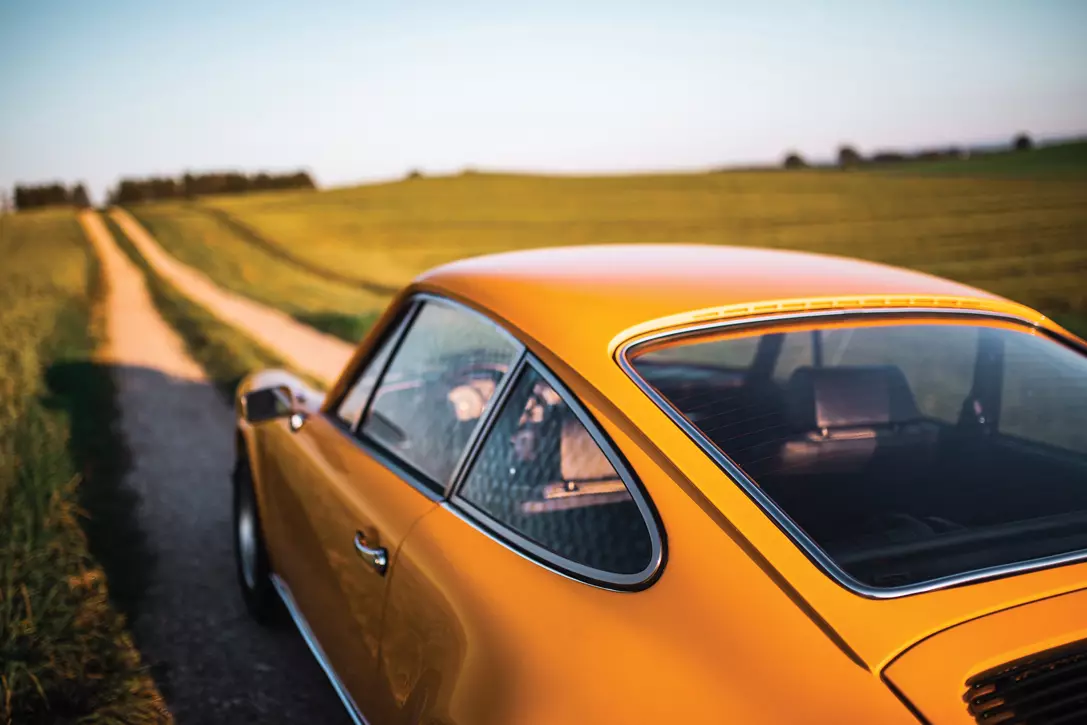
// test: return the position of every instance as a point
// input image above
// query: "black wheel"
(254, 573)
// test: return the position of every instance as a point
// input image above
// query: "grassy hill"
(333, 257)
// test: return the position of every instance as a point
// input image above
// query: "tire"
(250, 554)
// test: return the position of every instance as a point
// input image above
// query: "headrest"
(848, 397)
(582, 459)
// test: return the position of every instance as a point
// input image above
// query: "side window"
(350, 408)
(437, 387)
(542, 474)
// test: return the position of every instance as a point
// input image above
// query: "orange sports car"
(681, 484)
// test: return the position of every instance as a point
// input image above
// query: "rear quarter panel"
(933, 673)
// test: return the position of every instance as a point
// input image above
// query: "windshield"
(908, 449)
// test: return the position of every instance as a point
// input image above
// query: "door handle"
(377, 558)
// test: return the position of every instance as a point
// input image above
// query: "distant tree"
(887, 157)
(129, 191)
(848, 156)
(1022, 142)
(191, 185)
(302, 180)
(162, 188)
(793, 160)
(188, 186)
(949, 153)
(235, 183)
(415, 174)
(30, 197)
(79, 197)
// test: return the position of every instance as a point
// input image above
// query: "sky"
(364, 90)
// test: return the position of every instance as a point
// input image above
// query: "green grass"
(225, 353)
(65, 655)
(1019, 237)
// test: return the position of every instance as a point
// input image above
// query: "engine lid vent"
(1047, 688)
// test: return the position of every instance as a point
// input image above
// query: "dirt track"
(211, 662)
(322, 356)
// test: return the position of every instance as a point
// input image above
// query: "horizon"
(815, 162)
(121, 90)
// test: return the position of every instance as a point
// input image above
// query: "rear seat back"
(842, 418)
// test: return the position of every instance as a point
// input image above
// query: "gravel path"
(212, 663)
(322, 356)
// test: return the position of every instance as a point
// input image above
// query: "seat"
(842, 419)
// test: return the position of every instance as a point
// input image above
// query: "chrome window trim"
(808, 546)
(394, 335)
(403, 327)
(433, 489)
(319, 654)
(534, 552)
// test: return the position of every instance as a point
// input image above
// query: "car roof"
(570, 298)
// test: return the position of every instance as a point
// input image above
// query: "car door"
(319, 484)
(494, 581)
(357, 488)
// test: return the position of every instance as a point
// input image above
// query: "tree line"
(190, 186)
(55, 194)
(156, 188)
(849, 157)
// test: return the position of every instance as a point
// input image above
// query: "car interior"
(845, 451)
(452, 400)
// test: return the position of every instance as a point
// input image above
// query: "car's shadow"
(156, 454)
(86, 391)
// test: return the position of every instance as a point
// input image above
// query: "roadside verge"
(65, 651)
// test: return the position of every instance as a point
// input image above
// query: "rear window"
(907, 450)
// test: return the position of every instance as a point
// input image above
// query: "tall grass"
(65, 655)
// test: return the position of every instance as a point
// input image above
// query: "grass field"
(65, 655)
(1022, 234)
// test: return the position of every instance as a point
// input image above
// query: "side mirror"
(267, 404)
